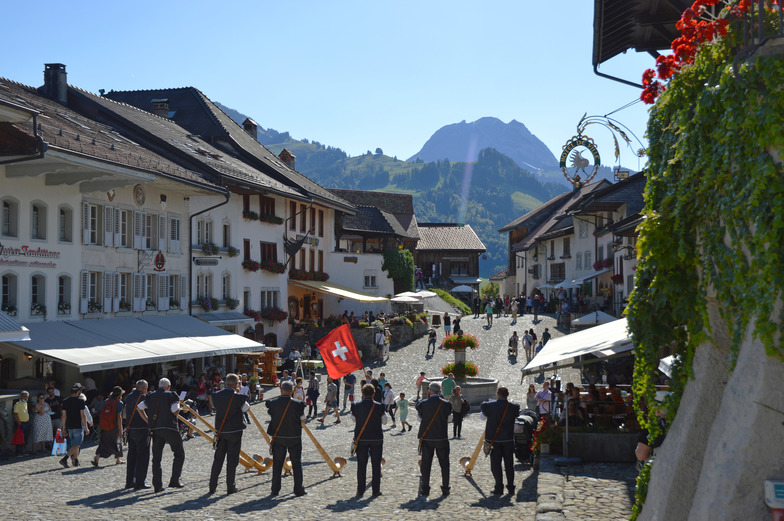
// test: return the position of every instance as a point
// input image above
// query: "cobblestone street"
(39, 488)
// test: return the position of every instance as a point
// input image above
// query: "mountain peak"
(463, 141)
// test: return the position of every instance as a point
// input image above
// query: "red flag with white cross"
(339, 352)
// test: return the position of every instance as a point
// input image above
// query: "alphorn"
(335, 465)
(243, 454)
(245, 460)
(468, 463)
(261, 429)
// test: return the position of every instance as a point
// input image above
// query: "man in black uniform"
(368, 438)
(285, 428)
(499, 430)
(136, 430)
(434, 416)
(229, 408)
(159, 409)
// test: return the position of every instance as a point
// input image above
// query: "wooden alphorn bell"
(468, 463)
(243, 455)
(336, 464)
(265, 462)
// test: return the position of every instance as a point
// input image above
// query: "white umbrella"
(404, 299)
(409, 294)
(426, 294)
(594, 318)
(462, 289)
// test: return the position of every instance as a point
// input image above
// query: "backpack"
(108, 419)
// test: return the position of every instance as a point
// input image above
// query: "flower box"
(308, 275)
(460, 342)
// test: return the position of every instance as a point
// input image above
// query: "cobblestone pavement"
(40, 488)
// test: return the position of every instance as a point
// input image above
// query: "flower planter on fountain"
(474, 389)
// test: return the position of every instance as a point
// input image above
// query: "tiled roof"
(538, 215)
(399, 206)
(173, 140)
(501, 275)
(63, 128)
(188, 106)
(448, 237)
(371, 219)
(629, 192)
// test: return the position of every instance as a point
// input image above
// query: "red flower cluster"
(272, 266)
(308, 275)
(460, 342)
(251, 265)
(271, 313)
(694, 32)
(617, 278)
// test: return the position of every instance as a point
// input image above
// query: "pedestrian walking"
(110, 422)
(74, 421)
(312, 394)
(431, 341)
(402, 406)
(389, 402)
(459, 409)
(331, 401)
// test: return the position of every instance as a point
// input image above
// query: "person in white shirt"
(544, 399)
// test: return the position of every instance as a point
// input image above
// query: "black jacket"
(160, 402)
(437, 410)
(494, 412)
(372, 432)
(228, 404)
(131, 414)
(290, 432)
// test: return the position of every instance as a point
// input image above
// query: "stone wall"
(607, 447)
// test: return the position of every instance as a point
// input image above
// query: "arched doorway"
(271, 340)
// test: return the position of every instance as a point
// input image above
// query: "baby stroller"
(524, 428)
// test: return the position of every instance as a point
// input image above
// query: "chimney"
(160, 107)
(56, 82)
(251, 127)
(288, 158)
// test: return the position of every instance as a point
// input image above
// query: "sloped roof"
(189, 107)
(448, 237)
(538, 215)
(371, 219)
(553, 222)
(399, 206)
(629, 191)
(64, 128)
(501, 275)
(161, 133)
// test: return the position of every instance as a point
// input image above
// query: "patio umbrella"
(404, 299)
(462, 289)
(410, 294)
(426, 294)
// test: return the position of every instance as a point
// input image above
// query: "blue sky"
(356, 75)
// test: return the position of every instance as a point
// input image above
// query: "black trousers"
(160, 438)
(229, 446)
(138, 460)
(502, 451)
(374, 450)
(441, 449)
(279, 450)
(457, 423)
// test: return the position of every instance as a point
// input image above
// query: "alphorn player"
(434, 416)
(159, 410)
(230, 405)
(499, 431)
(368, 439)
(287, 416)
(136, 429)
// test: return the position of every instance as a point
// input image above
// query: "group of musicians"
(151, 420)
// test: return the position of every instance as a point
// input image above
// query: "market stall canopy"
(11, 330)
(93, 345)
(602, 341)
(330, 288)
(592, 319)
(462, 289)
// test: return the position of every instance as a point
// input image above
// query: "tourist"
(528, 343)
(389, 402)
(431, 341)
(74, 420)
(42, 423)
(402, 405)
(448, 385)
(312, 395)
(110, 422)
(330, 402)
(459, 409)
(544, 399)
(419, 381)
(514, 341)
(531, 397)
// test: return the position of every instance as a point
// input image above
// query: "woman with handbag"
(42, 424)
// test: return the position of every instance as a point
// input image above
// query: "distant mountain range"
(509, 172)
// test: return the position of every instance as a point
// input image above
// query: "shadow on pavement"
(423, 503)
(343, 505)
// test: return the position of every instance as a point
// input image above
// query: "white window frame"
(174, 234)
(163, 292)
(10, 217)
(38, 211)
(65, 224)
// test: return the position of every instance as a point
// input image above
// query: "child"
(389, 402)
(402, 405)
(299, 391)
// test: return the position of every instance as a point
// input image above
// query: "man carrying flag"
(339, 352)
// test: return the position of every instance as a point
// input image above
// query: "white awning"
(604, 341)
(337, 290)
(93, 345)
(591, 275)
(11, 330)
(594, 318)
(229, 318)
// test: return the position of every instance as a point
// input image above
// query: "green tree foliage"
(399, 265)
(489, 290)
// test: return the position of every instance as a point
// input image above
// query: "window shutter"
(138, 230)
(161, 233)
(117, 228)
(84, 292)
(86, 223)
(163, 292)
(115, 292)
(183, 292)
(174, 230)
(138, 292)
(108, 291)
(108, 226)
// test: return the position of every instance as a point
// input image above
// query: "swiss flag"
(339, 352)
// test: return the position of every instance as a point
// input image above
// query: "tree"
(379, 151)
(399, 264)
